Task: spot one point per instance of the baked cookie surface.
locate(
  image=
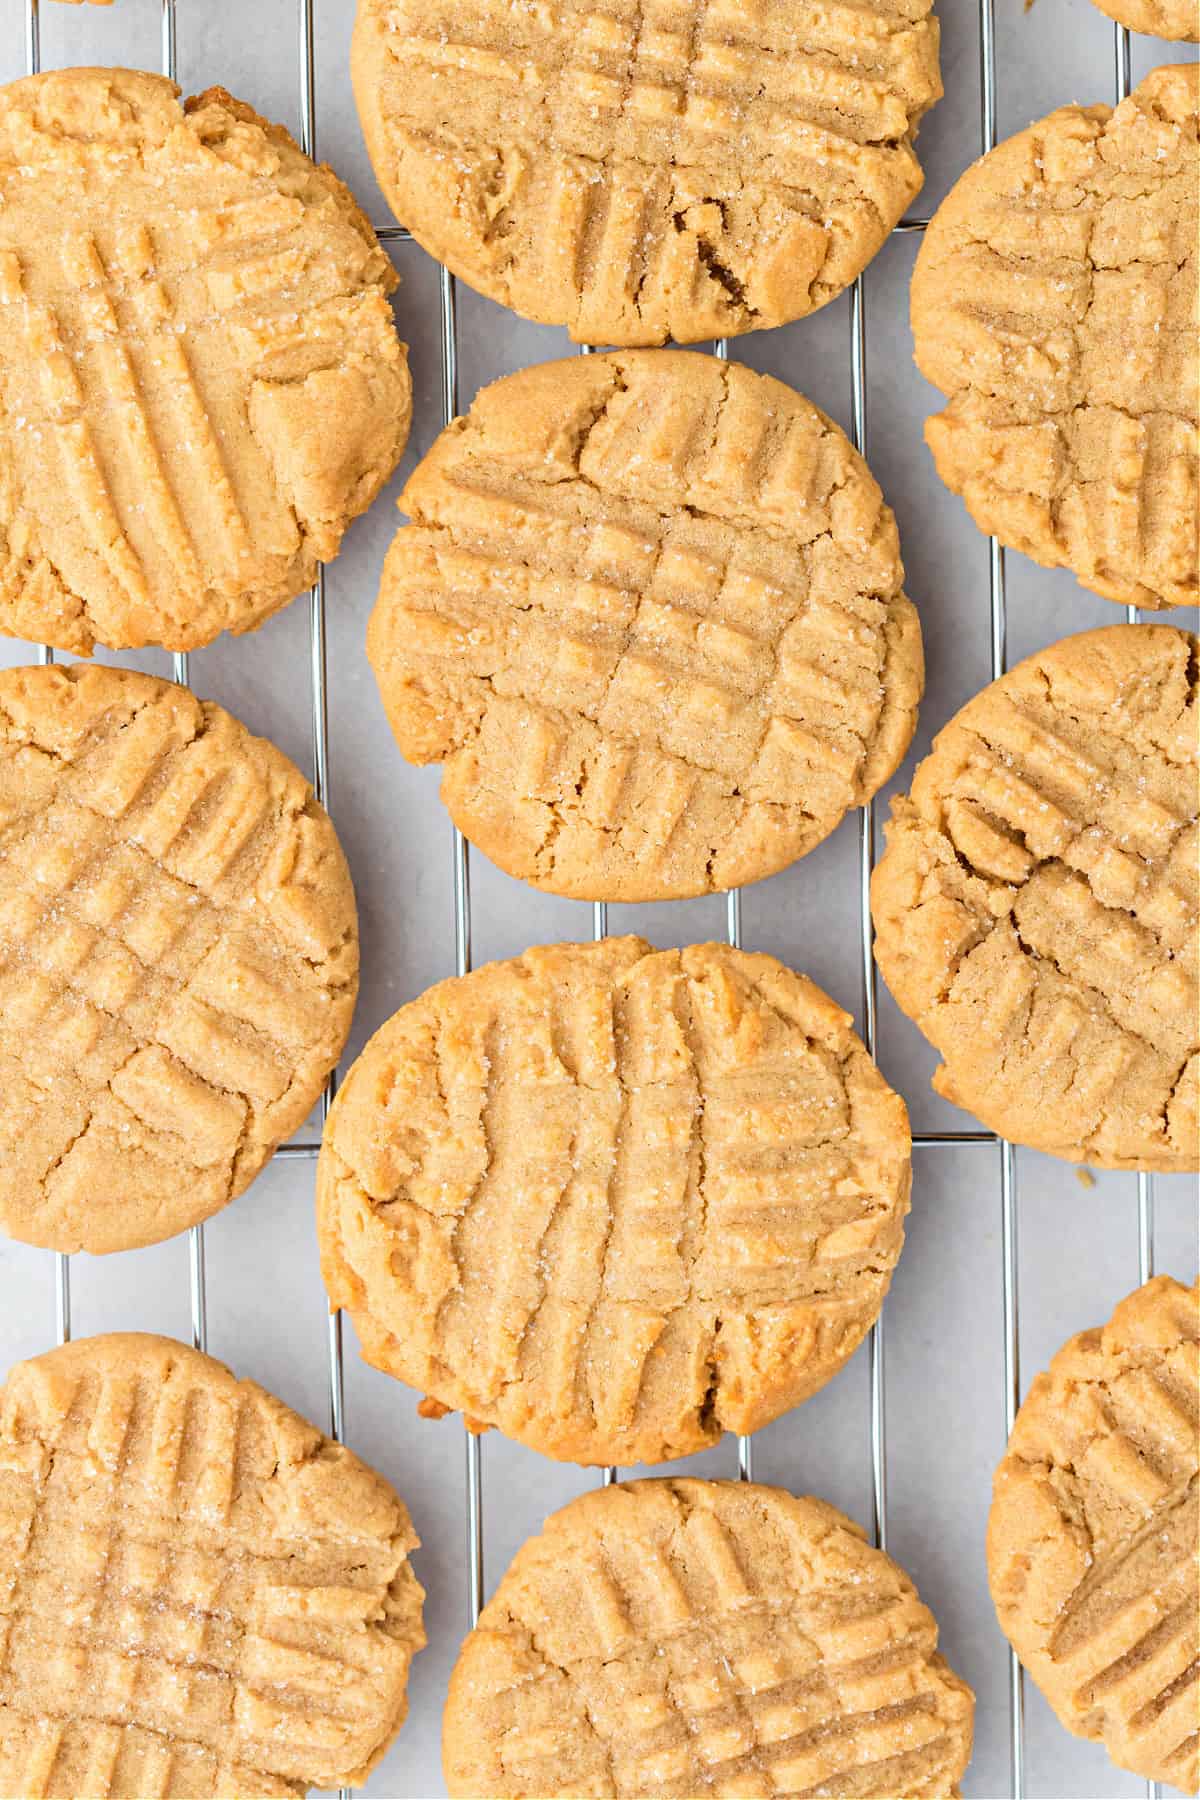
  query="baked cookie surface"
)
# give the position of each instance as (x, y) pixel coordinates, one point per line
(1036, 910)
(649, 614)
(670, 169)
(689, 1637)
(1157, 18)
(178, 956)
(614, 1200)
(1054, 304)
(1093, 1532)
(200, 378)
(202, 1595)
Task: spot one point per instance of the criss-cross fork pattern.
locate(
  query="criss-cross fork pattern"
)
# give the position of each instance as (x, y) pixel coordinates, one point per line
(198, 1595)
(682, 1652)
(922, 1141)
(682, 640)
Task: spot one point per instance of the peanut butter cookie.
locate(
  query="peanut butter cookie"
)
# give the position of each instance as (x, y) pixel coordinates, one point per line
(178, 956)
(680, 168)
(691, 1637)
(649, 614)
(615, 1200)
(1036, 911)
(1093, 1533)
(200, 379)
(202, 1596)
(1054, 304)
(1158, 18)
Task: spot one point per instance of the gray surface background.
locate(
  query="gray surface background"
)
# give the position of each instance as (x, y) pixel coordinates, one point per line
(944, 1325)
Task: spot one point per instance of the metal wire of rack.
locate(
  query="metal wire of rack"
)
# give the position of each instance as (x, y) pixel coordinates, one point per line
(319, 680)
(1145, 1183)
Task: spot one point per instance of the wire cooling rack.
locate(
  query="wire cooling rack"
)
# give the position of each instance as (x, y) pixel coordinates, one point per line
(997, 1150)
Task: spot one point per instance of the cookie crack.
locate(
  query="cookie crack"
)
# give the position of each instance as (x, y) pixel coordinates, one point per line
(582, 1387)
(1099, 1573)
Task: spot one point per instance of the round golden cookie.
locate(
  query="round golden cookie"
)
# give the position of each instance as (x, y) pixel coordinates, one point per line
(649, 615)
(1093, 1534)
(640, 172)
(1158, 18)
(1036, 911)
(200, 379)
(1054, 304)
(178, 956)
(688, 1637)
(202, 1595)
(614, 1200)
